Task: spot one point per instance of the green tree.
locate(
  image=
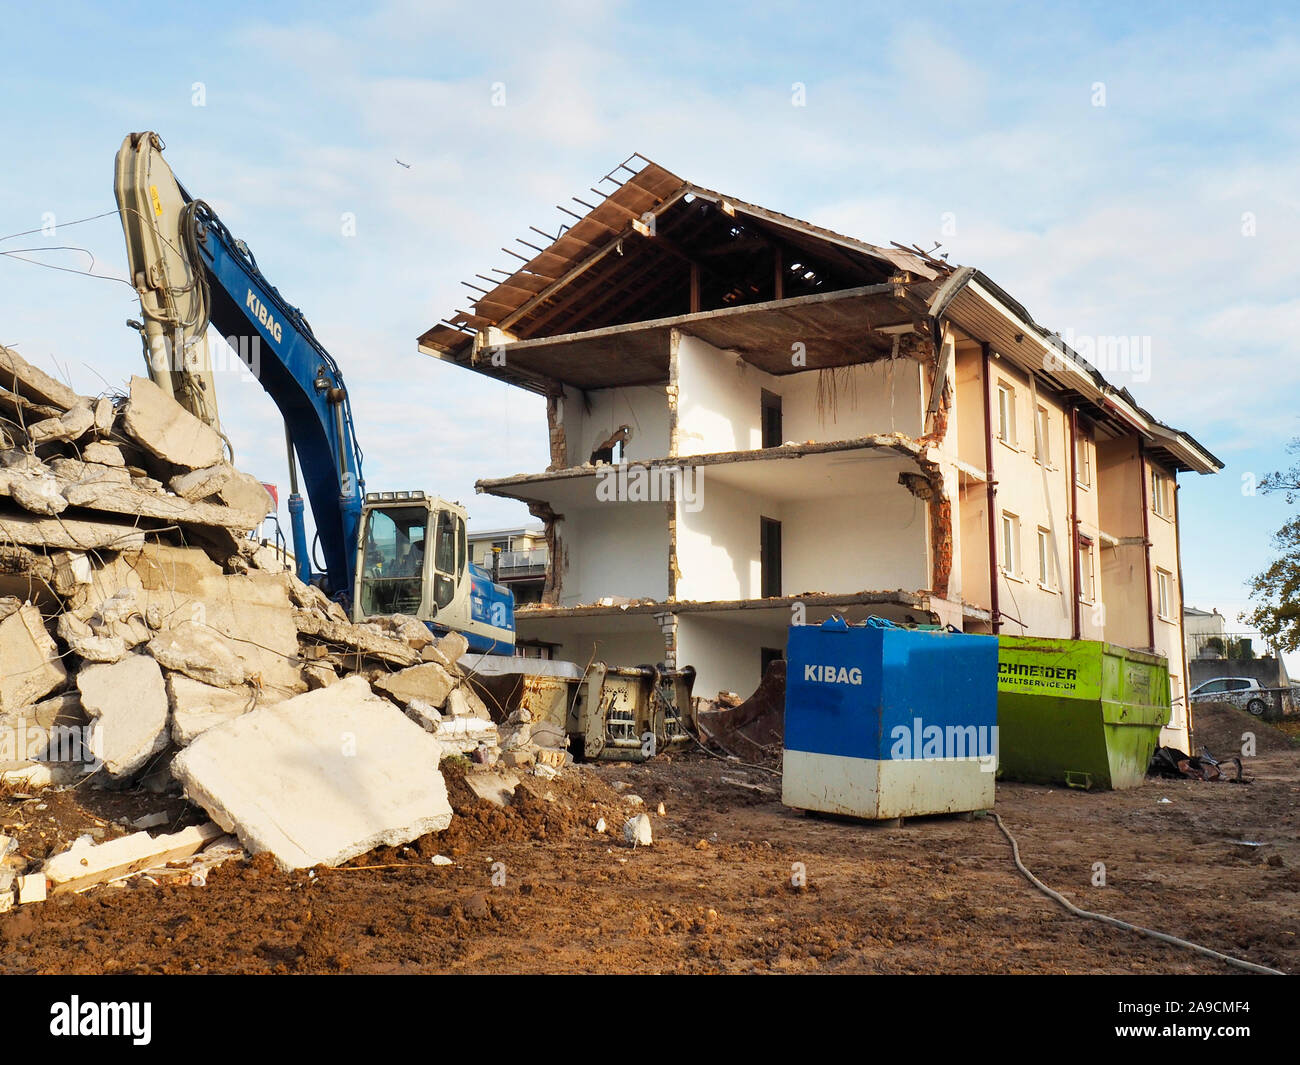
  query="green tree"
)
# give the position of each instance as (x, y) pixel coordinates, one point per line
(1276, 591)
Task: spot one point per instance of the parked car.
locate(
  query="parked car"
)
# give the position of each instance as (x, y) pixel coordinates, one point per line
(1243, 692)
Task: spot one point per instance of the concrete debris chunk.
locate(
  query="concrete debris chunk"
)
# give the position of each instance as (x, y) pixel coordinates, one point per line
(453, 647)
(415, 634)
(40, 493)
(127, 704)
(85, 865)
(496, 788)
(424, 715)
(245, 494)
(31, 888)
(198, 652)
(30, 666)
(319, 675)
(428, 682)
(82, 640)
(197, 707)
(102, 453)
(464, 702)
(637, 831)
(35, 775)
(167, 430)
(72, 425)
(199, 484)
(104, 415)
(464, 734)
(320, 778)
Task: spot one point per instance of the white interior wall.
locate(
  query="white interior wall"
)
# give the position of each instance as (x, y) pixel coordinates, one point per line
(718, 545)
(878, 397)
(726, 654)
(614, 549)
(645, 409)
(720, 401)
(874, 540)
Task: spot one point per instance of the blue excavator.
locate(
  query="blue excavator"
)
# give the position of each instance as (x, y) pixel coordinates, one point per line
(191, 272)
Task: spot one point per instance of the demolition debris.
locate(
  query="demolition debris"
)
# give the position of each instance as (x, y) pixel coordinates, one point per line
(147, 642)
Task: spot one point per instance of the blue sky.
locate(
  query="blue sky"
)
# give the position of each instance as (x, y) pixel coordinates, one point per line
(972, 124)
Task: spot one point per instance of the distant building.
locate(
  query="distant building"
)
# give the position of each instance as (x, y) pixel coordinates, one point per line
(515, 557)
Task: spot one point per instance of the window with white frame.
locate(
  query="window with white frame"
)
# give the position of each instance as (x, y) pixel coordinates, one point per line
(1082, 461)
(1087, 572)
(1045, 558)
(1160, 501)
(1010, 544)
(1006, 413)
(1164, 593)
(1043, 441)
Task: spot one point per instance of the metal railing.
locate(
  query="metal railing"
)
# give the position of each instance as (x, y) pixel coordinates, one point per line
(1243, 645)
(514, 563)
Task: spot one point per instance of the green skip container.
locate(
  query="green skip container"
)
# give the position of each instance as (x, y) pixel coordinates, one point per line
(1078, 712)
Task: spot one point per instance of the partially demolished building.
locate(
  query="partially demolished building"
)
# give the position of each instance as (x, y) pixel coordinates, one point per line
(755, 420)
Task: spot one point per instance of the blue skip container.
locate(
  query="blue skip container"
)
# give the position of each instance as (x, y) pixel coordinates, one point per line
(885, 722)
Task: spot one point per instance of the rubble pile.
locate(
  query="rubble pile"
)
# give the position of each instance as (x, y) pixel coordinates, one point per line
(147, 641)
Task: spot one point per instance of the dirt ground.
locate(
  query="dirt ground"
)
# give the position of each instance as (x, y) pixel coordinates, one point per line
(535, 888)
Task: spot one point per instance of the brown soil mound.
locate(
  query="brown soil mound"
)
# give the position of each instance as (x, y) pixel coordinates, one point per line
(1221, 729)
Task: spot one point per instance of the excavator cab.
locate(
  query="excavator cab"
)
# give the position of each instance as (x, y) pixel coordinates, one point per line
(413, 559)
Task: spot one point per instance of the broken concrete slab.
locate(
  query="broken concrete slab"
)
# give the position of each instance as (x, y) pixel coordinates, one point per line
(21, 377)
(68, 533)
(90, 864)
(354, 638)
(320, 778)
(167, 430)
(110, 497)
(197, 707)
(428, 682)
(498, 788)
(200, 653)
(127, 705)
(245, 494)
(424, 715)
(415, 634)
(464, 734)
(177, 585)
(30, 666)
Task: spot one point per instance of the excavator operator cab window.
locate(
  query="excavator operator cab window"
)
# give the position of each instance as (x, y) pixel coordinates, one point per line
(393, 565)
(444, 560)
